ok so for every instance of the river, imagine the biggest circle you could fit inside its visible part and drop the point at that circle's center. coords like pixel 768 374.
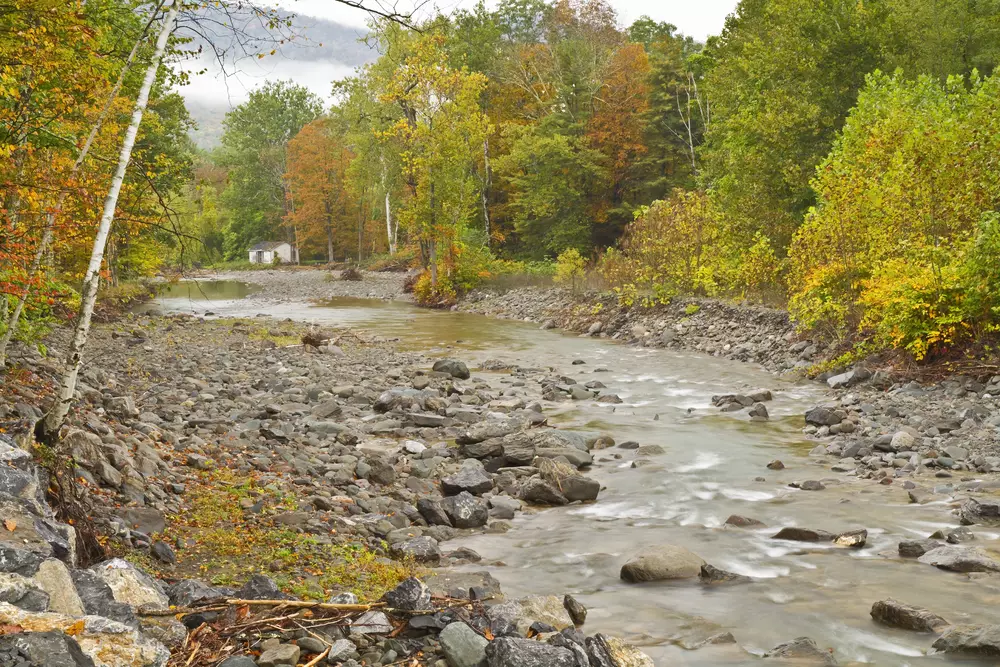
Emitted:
pixel 714 465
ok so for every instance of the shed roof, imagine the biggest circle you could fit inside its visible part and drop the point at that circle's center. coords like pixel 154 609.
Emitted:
pixel 269 245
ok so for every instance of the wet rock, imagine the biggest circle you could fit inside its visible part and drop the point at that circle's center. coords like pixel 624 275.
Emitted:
pixel 410 595
pixel 526 611
pixel 452 367
pixel 974 511
pixel 821 416
pixel 743 522
pixel 854 539
pixel 714 575
pixel 537 491
pixel 758 411
pixel 420 549
pixel 130 585
pixel 462 646
pixel 605 651
pixel 959 535
pixel 908 617
pixel 575 609
pixel 803 535
pixel 661 563
pixel 960 559
pixel 916 548
pixel 981 641
pixel 513 652
pixel 465 510
pixel 472 478
pixel 42 649
pixel 106 642
pixel 812 485
pixel 802 651
pixel 775 465
pixel 567 480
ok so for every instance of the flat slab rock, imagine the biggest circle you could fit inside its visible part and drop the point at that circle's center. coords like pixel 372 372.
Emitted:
pixel 960 559
pixel 908 617
pixel 970 640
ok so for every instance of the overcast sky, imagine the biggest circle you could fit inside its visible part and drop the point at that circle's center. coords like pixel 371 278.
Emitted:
pixel 210 94
pixel 698 18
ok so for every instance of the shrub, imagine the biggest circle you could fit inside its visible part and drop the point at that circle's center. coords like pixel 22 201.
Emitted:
pixel 569 267
pixel 441 295
pixel 902 246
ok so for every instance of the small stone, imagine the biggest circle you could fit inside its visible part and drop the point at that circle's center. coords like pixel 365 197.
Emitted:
pixel 283 655
pixel 576 610
pixel 775 465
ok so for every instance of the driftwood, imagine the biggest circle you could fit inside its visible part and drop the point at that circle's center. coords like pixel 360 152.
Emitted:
pixel 243 623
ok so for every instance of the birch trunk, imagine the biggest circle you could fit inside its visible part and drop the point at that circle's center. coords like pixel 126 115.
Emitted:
pixel 48 428
pixel 388 225
pixel 486 187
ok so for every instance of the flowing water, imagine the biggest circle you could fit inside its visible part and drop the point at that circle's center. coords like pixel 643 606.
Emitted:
pixel 714 466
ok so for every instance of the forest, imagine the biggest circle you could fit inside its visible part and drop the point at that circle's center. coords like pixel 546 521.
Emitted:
pixel 833 157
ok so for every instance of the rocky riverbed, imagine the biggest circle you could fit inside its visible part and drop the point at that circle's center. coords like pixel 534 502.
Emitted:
pixel 272 493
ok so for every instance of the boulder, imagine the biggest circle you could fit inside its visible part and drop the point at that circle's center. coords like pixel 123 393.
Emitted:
pixel 802 651
pixel 19 561
pixel 99 600
pixel 490 428
pixel 106 642
pixel 802 535
pixel 422 550
pixel 259 587
pixel 465 510
pixel 567 480
pixel 409 595
pixel 42 649
pixel 976 641
pixel 960 559
pixel 130 585
pixel 821 416
pixel 516 652
pixel 22 592
pixel 916 548
pixel 743 522
pixel 537 491
pixel 661 563
pixel 908 617
pixel 187 592
pixel 433 512
pixel 146 520
pixel 714 575
pixel 974 511
pixel 452 367
pixel 462 646
pixel 523 612
pixel 472 478
pixel 605 651
pixel 54 578
pixel 854 539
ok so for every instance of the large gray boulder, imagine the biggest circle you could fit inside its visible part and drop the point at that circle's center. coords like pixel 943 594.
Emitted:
pixel 516 652
pixel 661 563
pixel 981 641
pixel 465 510
pixel 130 585
pixel 421 549
pixel 462 646
pixel 452 367
pixel 42 649
pixel 975 511
pixel 472 478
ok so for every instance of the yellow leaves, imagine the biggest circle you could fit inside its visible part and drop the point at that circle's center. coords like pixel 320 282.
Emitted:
pixel 10 524
pixel 76 629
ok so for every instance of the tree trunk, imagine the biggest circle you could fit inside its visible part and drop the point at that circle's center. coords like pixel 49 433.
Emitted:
pixel 486 187
pixel 388 225
pixel 329 231
pixel 434 263
pixel 48 428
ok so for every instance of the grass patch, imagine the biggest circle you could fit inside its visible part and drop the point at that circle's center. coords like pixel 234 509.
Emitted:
pixel 227 544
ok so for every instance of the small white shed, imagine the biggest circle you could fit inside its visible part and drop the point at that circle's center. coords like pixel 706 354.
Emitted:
pixel 267 251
